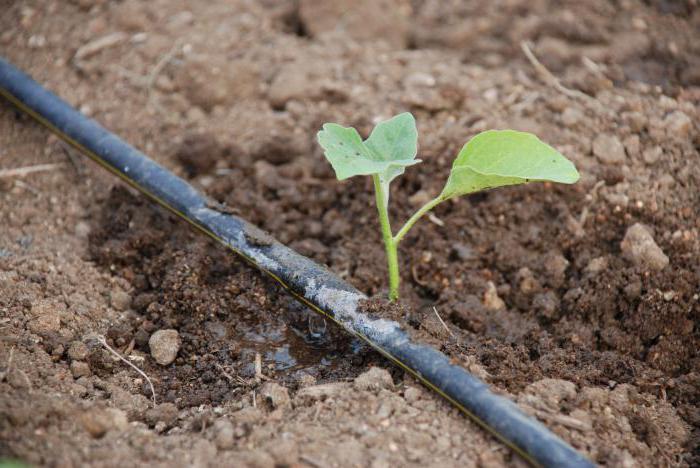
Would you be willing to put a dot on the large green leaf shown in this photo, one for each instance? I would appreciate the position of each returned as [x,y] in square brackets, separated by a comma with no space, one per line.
[390,148]
[497,158]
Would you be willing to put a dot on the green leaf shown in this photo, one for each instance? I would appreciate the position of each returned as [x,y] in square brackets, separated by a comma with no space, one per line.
[390,148]
[395,139]
[496,158]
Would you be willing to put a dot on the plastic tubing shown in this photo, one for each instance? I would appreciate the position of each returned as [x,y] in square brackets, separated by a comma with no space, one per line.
[312,284]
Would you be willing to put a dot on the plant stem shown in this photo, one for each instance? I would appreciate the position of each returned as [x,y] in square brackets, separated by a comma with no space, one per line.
[416,216]
[389,244]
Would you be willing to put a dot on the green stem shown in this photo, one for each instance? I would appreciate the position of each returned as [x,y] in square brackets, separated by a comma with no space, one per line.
[389,244]
[416,216]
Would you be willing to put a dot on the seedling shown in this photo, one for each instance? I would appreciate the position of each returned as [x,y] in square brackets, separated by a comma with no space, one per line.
[494,158]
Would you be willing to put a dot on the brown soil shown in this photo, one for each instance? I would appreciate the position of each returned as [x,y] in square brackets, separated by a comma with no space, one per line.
[537,295]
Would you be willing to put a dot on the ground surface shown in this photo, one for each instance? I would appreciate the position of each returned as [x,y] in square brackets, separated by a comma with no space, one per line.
[597,337]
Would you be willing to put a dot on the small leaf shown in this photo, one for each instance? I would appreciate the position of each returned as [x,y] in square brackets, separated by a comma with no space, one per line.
[390,148]
[497,158]
[395,139]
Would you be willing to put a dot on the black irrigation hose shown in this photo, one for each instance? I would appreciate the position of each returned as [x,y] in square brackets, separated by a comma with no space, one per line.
[312,284]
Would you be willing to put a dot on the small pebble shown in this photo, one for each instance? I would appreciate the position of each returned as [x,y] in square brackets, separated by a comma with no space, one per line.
[78,351]
[285,452]
[120,300]
[419,80]
[45,317]
[678,125]
[249,415]
[97,422]
[491,299]
[82,229]
[555,266]
[374,379]
[609,149]
[632,145]
[571,116]
[639,247]
[80,369]
[18,379]
[652,155]
[164,412]
[164,345]
[420,198]
[636,121]
[596,265]
[546,304]
[412,394]
[527,281]
[633,290]
[321,392]
[275,395]
[223,434]
[463,252]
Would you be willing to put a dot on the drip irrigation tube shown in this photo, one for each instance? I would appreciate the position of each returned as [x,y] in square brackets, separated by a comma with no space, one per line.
[310,283]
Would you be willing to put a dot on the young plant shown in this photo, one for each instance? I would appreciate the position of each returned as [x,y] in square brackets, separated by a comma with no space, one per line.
[494,158]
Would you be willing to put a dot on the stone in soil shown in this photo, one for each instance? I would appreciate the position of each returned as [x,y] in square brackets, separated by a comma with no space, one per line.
[164,412]
[120,300]
[45,317]
[609,149]
[224,437]
[97,422]
[374,379]
[275,395]
[678,125]
[80,369]
[491,299]
[18,379]
[308,395]
[164,345]
[390,23]
[639,247]
[78,351]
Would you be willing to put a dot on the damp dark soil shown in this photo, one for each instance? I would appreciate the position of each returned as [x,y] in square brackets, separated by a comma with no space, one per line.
[541,290]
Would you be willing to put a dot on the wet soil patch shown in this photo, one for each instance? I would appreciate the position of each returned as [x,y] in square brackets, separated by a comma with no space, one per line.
[224,311]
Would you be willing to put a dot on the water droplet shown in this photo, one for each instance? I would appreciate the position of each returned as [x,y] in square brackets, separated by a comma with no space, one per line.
[317,326]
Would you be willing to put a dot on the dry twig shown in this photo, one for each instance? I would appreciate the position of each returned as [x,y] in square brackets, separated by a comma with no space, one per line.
[443,322]
[548,77]
[23,171]
[259,376]
[103,342]
[93,47]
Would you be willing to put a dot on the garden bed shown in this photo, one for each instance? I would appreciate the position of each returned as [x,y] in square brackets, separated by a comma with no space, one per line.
[537,295]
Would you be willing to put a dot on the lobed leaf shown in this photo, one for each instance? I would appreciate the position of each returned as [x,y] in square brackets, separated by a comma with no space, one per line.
[497,158]
[390,148]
